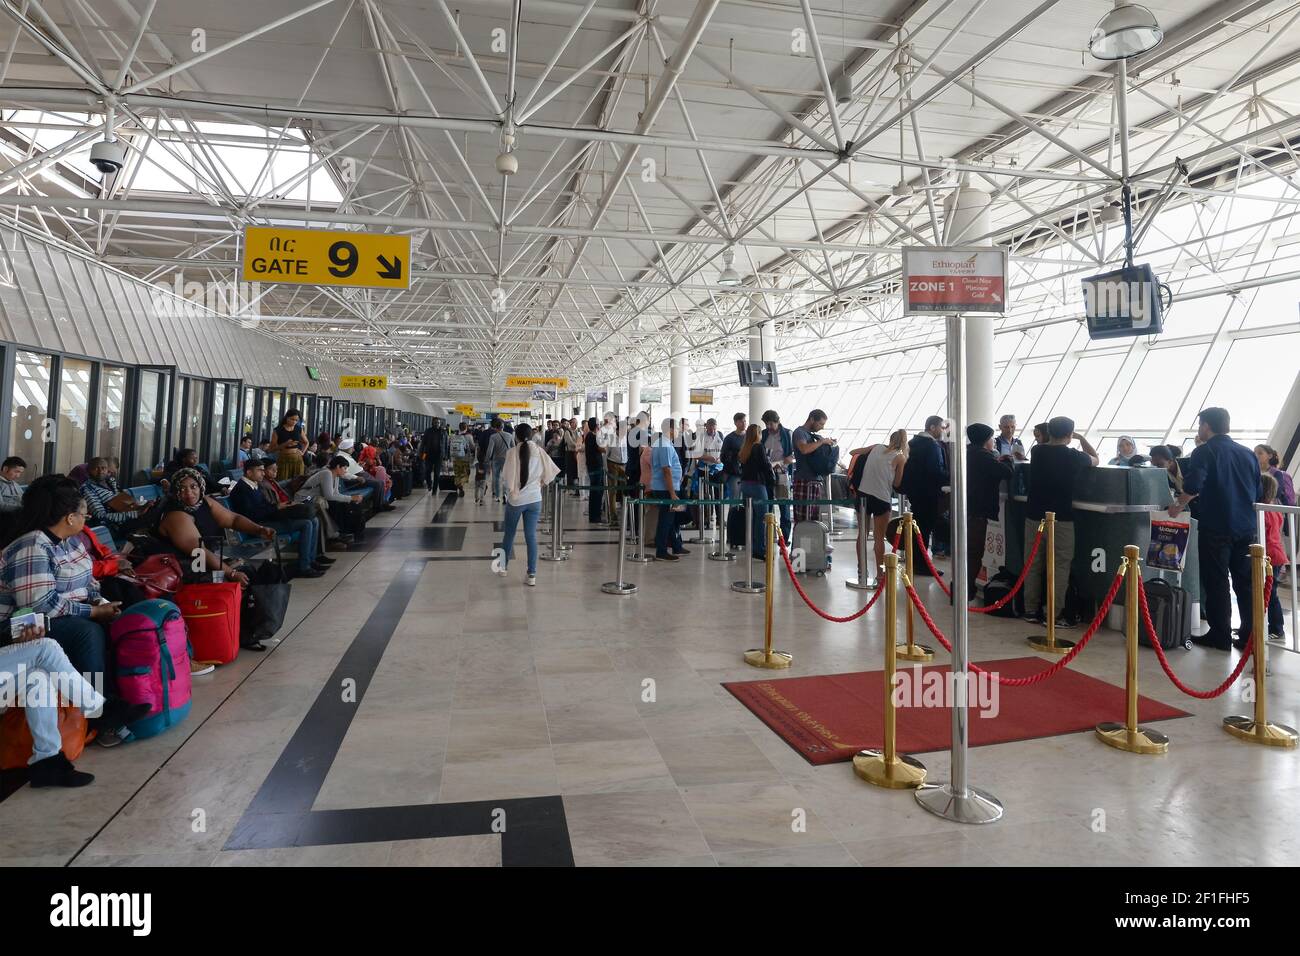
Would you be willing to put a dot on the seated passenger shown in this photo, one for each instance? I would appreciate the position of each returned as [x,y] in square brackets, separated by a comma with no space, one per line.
[323,488]
[48,570]
[48,676]
[108,504]
[241,456]
[1127,456]
[11,493]
[248,498]
[357,477]
[191,521]
[184,458]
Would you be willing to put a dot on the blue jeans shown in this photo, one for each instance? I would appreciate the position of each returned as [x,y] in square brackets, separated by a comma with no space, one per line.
[86,645]
[306,528]
[667,536]
[531,512]
[46,674]
[497,465]
[758,493]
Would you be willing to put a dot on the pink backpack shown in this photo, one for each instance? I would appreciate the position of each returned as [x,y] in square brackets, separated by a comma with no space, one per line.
[150,648]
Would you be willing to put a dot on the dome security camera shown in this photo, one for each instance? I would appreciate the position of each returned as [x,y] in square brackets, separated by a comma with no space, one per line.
[108,155]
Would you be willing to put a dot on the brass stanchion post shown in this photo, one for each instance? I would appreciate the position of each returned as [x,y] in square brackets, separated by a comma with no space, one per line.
[1257,729]
[1049,644]
[765,656]
[885,768]
[1128,735]
[911,651]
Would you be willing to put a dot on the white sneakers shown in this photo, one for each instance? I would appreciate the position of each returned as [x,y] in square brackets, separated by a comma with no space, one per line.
[531,581]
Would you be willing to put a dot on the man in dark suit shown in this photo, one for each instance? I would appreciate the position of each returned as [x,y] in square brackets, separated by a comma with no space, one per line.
[433,449]
[924,476]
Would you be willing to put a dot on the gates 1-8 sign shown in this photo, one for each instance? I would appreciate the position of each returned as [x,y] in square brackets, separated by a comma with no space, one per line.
[376,382]
[954,280]
[323,257]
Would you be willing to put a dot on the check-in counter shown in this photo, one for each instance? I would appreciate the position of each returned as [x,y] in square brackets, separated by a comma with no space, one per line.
[1113,507]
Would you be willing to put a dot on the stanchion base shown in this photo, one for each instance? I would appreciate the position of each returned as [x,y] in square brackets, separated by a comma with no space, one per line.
[861,586]
[777,660]
[618,587]
[1270,735]
[904,773]
[638,558]
[1060,647]
[721,556]
[917,652]
[566,547]
[1142,741]
[555,557]
[748,587]
[976,806]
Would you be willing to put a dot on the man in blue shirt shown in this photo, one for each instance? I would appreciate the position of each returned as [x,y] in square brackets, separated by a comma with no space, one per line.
[665,479]
[1224,478]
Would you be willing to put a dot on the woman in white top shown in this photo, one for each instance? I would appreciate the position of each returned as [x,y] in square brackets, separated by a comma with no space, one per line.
[881,475]
[527,468]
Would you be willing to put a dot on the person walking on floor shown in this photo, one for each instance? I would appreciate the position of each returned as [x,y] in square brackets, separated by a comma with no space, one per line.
[527,468]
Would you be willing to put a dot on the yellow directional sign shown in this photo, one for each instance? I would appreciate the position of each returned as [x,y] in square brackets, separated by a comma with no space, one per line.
[514,405]
[528,381]
[376,382]
[326,257]
[466,410]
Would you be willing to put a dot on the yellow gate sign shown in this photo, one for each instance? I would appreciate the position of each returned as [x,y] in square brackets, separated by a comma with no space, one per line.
[327,257]
[466,410]
[514,405]
[528,381]
[377,382]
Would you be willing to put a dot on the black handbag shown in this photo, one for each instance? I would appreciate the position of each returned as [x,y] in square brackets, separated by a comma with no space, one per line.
[266,599]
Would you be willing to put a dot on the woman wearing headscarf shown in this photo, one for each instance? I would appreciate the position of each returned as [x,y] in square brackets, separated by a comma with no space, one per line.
[1127,456]
[368,458]
[190,520]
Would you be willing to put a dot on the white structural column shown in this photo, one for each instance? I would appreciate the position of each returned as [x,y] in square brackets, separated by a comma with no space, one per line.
[633,393]
[762,347]
[679,397]
[966,215]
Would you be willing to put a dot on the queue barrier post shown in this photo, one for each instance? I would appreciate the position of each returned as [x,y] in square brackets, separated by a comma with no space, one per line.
[704,513]
[765,656]
[863,581]
[557,528]
[911,651]
[621,587]
[639,556]
[1256,729]
[723,550]
[1049,644]
[1128,735]
[885,768]
[749,585]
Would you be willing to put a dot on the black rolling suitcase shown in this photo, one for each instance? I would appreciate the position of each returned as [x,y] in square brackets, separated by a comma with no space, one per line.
[1171,614]
[736,525]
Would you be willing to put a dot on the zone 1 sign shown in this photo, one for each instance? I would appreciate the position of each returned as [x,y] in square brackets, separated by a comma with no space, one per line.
[324,257]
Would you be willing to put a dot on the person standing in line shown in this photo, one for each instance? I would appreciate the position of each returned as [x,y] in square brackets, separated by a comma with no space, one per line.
[1270,464]
[778,444]
[595,459]
[985,472]
[758,484]
[433,450]
[810,470]
[882,474]
[615,465]
[665,479]
[923,479]
[527,468]
[1276,554]
[1053,469]
[1224,480]
[570,427]
[730,454]
[1005,444]
[462,456]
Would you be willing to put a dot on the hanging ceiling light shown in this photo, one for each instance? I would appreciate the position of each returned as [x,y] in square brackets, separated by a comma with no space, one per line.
[843,89]
[728,275]
[1112,213]
[1128,30]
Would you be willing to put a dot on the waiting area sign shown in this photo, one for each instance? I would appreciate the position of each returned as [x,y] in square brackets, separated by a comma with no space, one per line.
[953,280]
[368,260]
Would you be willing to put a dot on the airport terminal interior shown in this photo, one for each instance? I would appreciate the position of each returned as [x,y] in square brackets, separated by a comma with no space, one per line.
[353,353]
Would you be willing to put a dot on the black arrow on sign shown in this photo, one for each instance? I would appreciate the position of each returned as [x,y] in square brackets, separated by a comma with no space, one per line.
[390,270]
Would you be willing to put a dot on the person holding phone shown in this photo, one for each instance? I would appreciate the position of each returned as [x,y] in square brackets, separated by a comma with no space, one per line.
[289,441]
[47,570]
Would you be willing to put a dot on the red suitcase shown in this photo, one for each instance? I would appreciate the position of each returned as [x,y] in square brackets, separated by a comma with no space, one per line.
[211,613]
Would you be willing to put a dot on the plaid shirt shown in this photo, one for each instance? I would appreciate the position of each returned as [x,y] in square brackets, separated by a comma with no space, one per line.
[40,574]
[97,498]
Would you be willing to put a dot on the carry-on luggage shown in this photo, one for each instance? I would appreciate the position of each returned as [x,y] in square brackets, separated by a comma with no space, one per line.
[16,737]
[151,650]
[211,613]
[997,588]
[815,541]
[736,515]
[1171,615]
[814,490]
[350,517]
[266,599]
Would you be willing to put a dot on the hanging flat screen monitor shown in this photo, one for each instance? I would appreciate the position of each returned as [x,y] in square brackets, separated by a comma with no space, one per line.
[1126,302]
[757,374]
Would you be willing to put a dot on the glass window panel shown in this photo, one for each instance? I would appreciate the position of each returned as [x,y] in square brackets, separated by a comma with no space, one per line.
[74,415]
[31,405]
[1158,388]
[1022,396]
[194,416]
[111,399]
[1085,388]
[250,405]
[1251,383]
[146,443]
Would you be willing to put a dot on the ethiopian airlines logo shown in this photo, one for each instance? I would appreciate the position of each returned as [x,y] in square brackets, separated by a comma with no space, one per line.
[956,265]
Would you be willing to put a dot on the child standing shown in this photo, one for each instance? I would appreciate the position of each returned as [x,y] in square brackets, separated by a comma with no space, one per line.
[1273,547]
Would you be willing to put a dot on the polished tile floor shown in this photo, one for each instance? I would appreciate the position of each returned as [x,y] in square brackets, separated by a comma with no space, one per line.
[415,697]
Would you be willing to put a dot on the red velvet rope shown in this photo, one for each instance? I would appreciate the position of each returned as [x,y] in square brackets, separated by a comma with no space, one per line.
[1043,674]
[785,556]
[1000,602]
[1164,661]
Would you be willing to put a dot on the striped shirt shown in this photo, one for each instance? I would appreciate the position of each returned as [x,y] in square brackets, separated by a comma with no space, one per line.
[40,573]
[97,498]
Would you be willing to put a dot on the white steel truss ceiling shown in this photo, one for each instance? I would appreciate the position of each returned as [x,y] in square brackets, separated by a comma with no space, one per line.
[651,137]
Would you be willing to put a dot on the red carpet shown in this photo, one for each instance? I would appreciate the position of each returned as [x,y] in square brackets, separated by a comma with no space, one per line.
[831,717]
